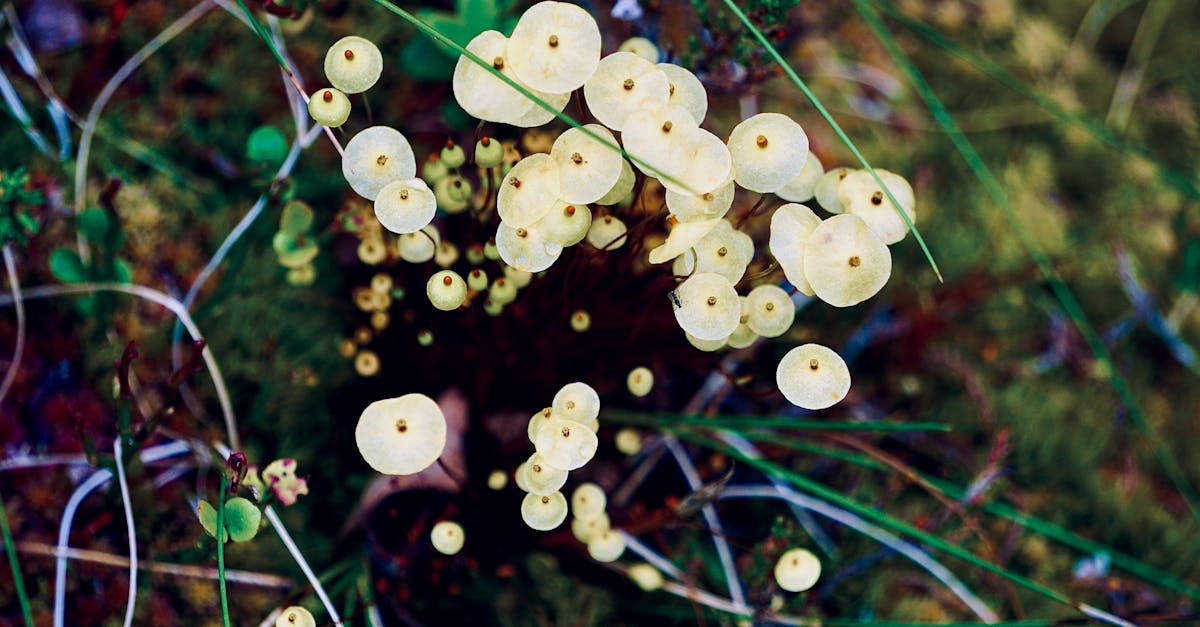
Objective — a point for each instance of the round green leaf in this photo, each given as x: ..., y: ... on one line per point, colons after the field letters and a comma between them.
x: 66, y: 266
x: 241, y: 519
x: 93, y: 224
x: 266, y: 145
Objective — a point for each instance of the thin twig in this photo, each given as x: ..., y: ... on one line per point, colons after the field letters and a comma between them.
x: 119, y: 458
x: 250, y: 578
x: 14, y: 281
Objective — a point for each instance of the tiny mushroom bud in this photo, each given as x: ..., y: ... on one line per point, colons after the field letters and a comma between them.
x: 447, y: 537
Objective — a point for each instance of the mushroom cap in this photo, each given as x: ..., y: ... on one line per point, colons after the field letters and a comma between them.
x: 606, y: 546
x: 542, y: 478
x: 332, y: 112
x: 646, y: 577
x: 685, y: 90
x: 860, y: 195
x: 536, y: 115
x: 446, y: 290
x: 628, y: 441
x: 709, y: 164
x: 419, y: 246
x: 826, y: 191
x: 797, y: 570
x: 544, y: 512
x: 640, y: 381
x: 725, y: 250
x: 555, y: 46
x: 791, y: 224
x: 405, y: 205
x: 656, y: 137
x: 804, y: 187
x: 529, y: 190
x: 713, y: 204
x: 357, y: 71
x: 607, y: 233
x: 375, y: 157
x: 584, y: 529
x: 707, y: 346
x: 447, y: 537
x: 502, y: 291
x: 844, y: 262
x: 587, y: 168
x: 707, y: 306
x: 588, y: 501
x: 576, y: 401
x: 742, y: 336
x: 813, y: 377
x: 640, y: 46
x: 479, y: 92
x: 566, y: 224
x: 768, y: 149
x: 622, y: 188
x: 526, y: 248
x: 770, y: 311
x: 624, y: 83
x: 565, y: 444
x: 682, y: 238
x: 401, y: 436
x: 538, y: 420
x: 295, y: 616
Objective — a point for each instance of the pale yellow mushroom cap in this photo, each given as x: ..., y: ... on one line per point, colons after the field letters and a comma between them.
x: 480, y: 93
x: 586, y: 529
x: 624, y: 83
x: 375, y: 157
x: 353, y: 64
x: 725, y: 250
x: 405, y: 206
x: 295, y: 616
x: 446, y: 290
x: 329, y: 107
x: 640, y: 46
x: 576, y: 401
x: 813, y: 377
x: 714, y: 204
x: 447, y: 537
x: 707, y: 306
x: 640, y: 381
x: 538, y: 420
x: 657, y: 137
x: 622, y: 188
x: 541, y: 478
x: 519, y: 478
x: 606, y: 546
x: 710, y: 165
x: 607, y: 233
x: 526, y: 248
x: 544, y: 512
x: 768, y: 149
x: 566, y: 224
x: 826, y: 191
x: 686, y: 90
x: 769, y: 310
x: 587, y: 168
x: 502, y: 291
x: 497, y: 480
x: 860, y: 195
x: 537, y: 116
x: 628, y: 441
x: 401, y: 436
x: 804, y: 187
x: 645, y: 576
x: 528, y: 191
x: 742, y: 336
x: 791, y: 224
x: 420, y: 246
x: 566, y: 444
x: 588, y: 501
x: 683, y: 237
x: 555, y: 46
x: 844, y: 262
x: 707, y: 346
x: 797, y: 570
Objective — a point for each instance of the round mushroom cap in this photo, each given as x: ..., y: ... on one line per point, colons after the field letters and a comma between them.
x: 555, y: 47
x: 584, y: 529
x: 447, y: 537
x: 566, y: 224
x: 813, y: 377
x: 713, y: 204
x: 538, y: 420
x: 742, y: 336
x: 607, y: 233
x: 576, y: 401
x: 536, y: 115
x: 375, y: 157
x: 709, y: 164
x: 624, y: 83
x: 707, y: 346
x: 804, y: 187
x: 401, y: 436
x: 682, y: 238
x: 707, y: 306
x: 587, y: 168
x: 544, y: 512
x: 405, y: 206
x: 844, y: 262
x: 827, y: 189
x: 529, y: 190
x: 791, y: 224
x: 541, y: 478
x: 640, y: 381
x: 622, y: 188
x: 479, y: 92
x: 628, y: 441
x: 446, y: 290
x: 685, y: 90
x: 769, y: 310
x: 295, y: 616
x: 502, y: 291
x: 726, y: 251
x: 419, y: 246
x: 768, y: 149
x: 640, y: 46
x: 860, y: 195
x: 588, y: 501
x: 797, y: 570
x: 329, y: 107
x: 353, y: 64
x: 526, y: 248
x: 655, y: 139
x: 566, y: 444
x: 645, y: 576
x: 606, y: 546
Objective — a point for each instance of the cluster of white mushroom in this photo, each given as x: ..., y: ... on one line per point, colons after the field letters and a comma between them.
x: 591, y: 526
x: 564, y: 439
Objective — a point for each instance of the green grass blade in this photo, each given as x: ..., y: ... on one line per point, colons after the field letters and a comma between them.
x: 736, y: 421
x: 1178, y: 180
x: 18, y: 581
x: 221, y: 552
x: 1074, y: 310
x: 837, y: 129
x: 261, y: 31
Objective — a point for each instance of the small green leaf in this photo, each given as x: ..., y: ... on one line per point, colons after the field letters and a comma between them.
x: 66, y: 266
x: 266, y: 145
x: 93, y: 224
x: 208, y: 518
x: 241, y: 519
x: 297, y: 218
x: 122, y: 272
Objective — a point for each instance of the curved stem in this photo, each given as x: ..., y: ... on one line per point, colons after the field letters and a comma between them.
x: 14, y: 280
x: 119, y: 457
